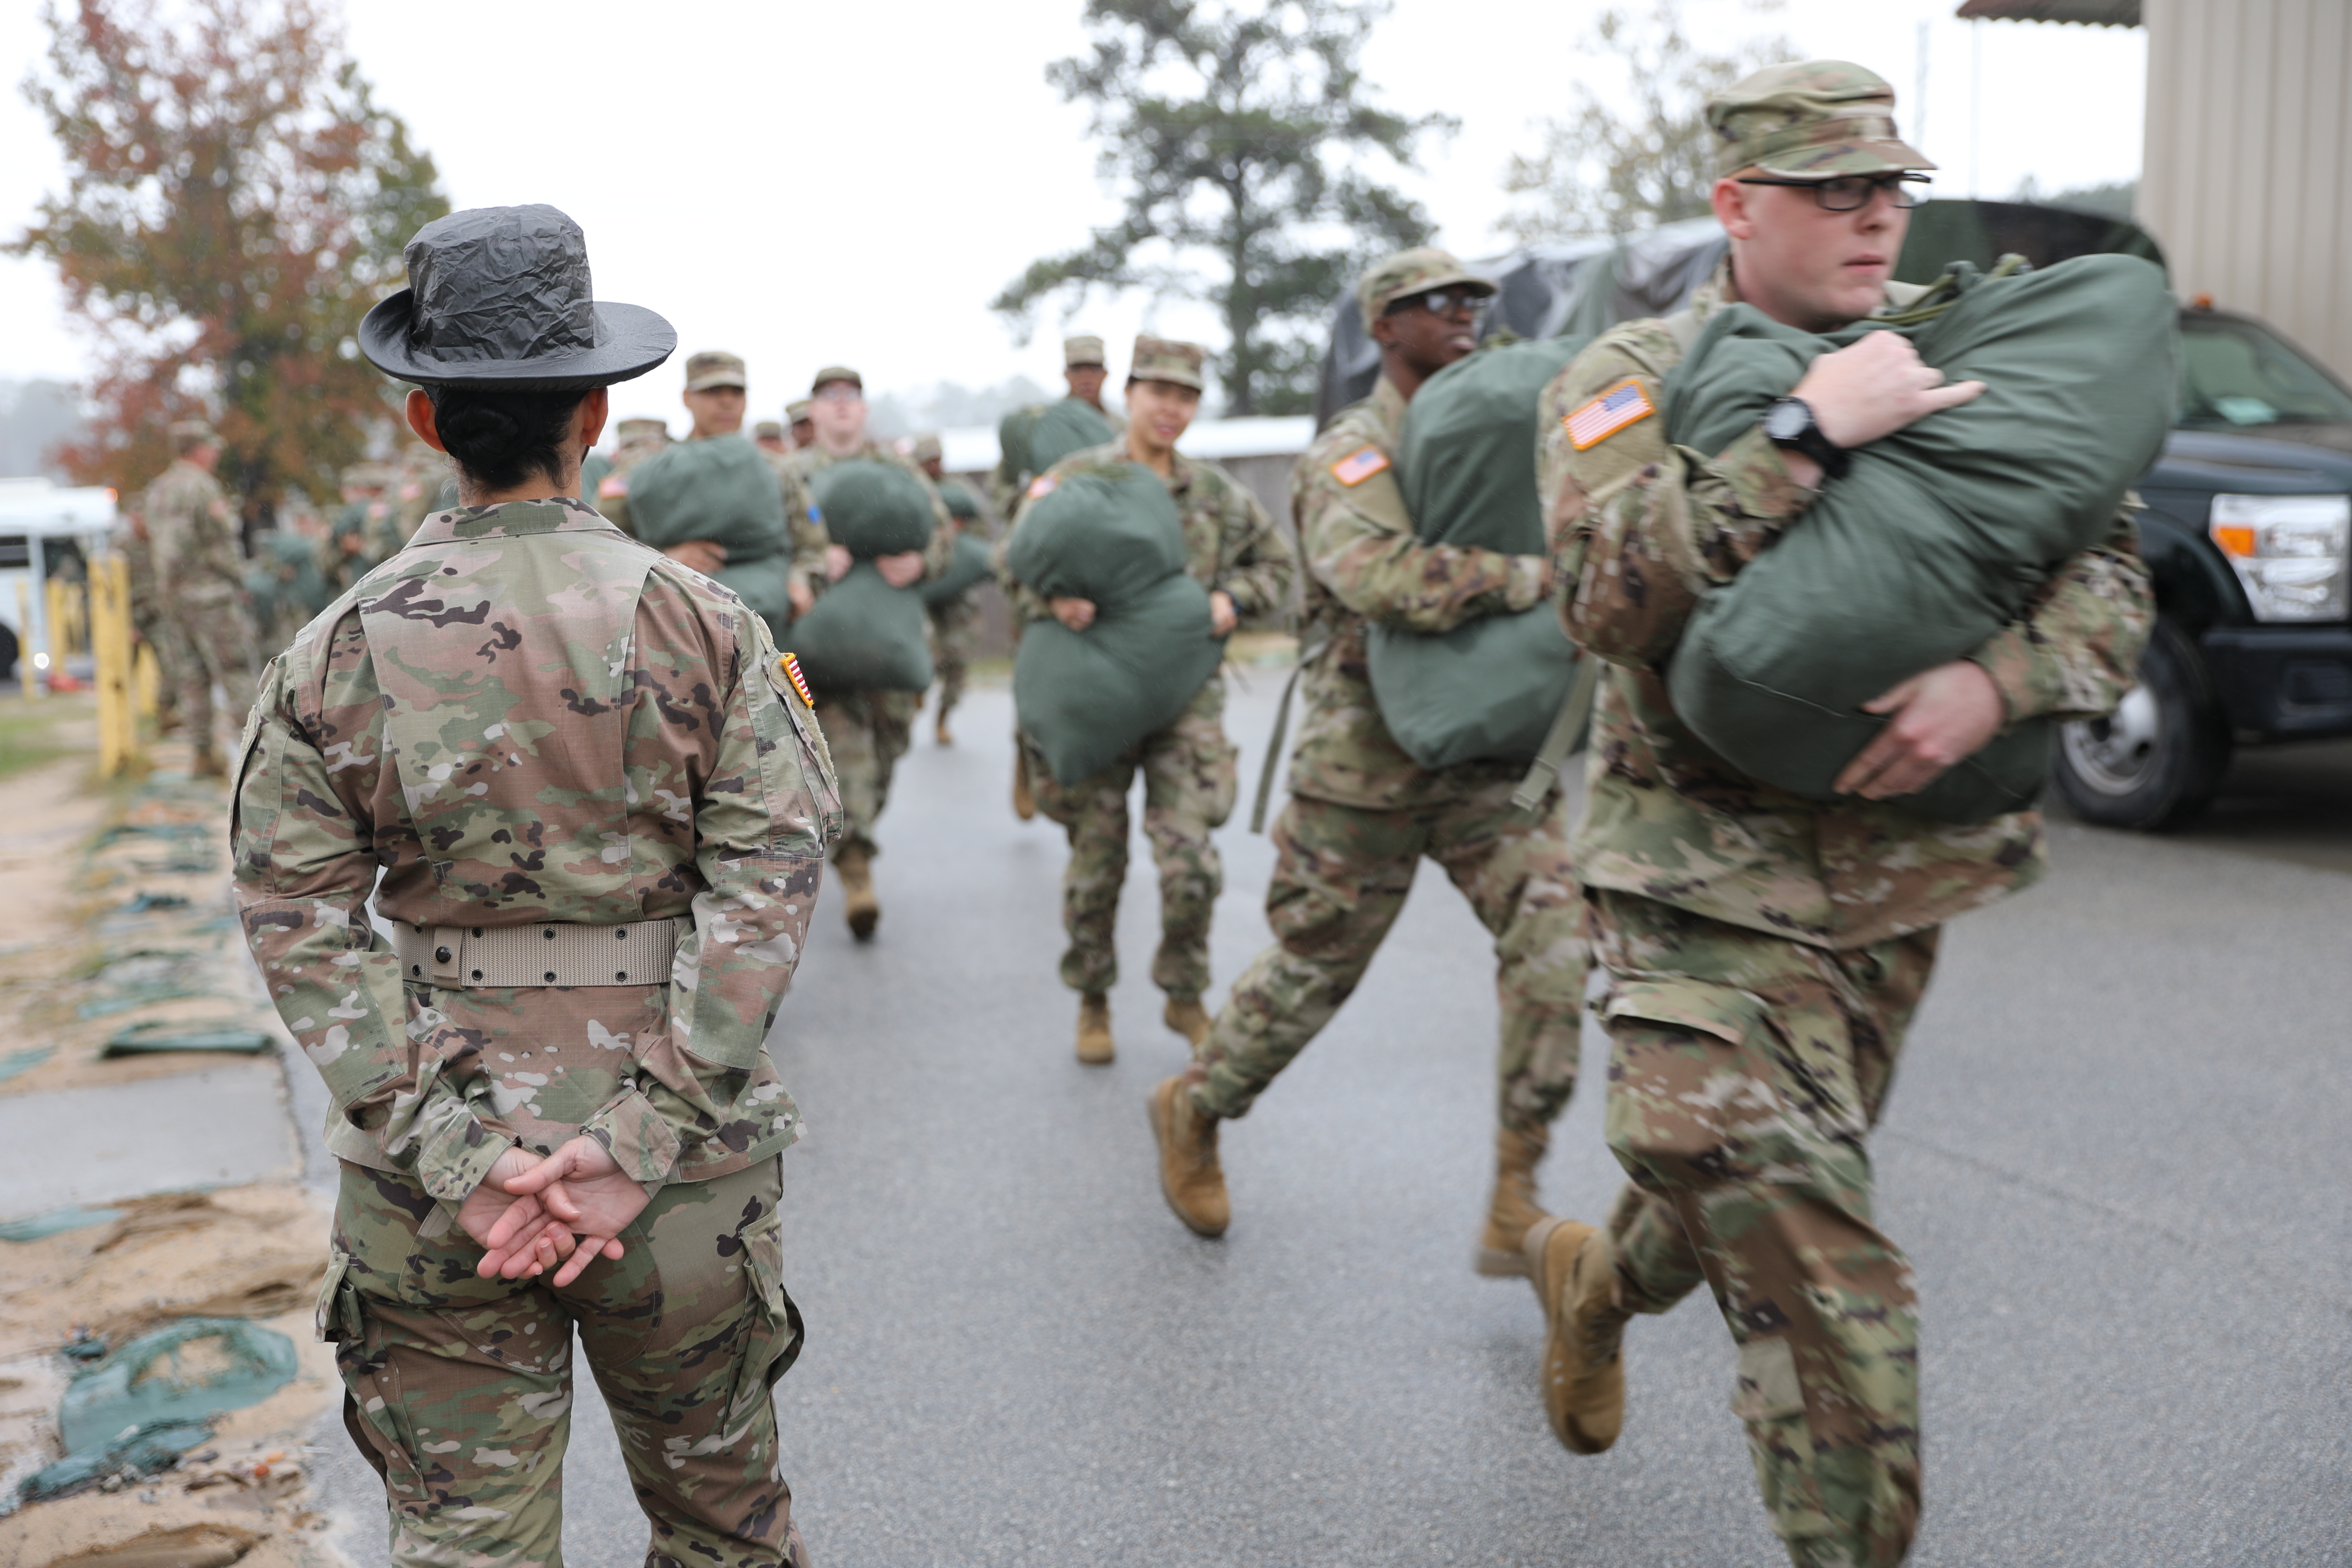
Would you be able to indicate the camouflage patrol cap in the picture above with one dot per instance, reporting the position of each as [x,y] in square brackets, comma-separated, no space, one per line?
[366,477]
[1165,359]
[187,435]
[1408,272]
[639,429]
[714,367]
[927,448]
[767,430]
[797,409]
[1814,120]
[1079,352]
[838,372]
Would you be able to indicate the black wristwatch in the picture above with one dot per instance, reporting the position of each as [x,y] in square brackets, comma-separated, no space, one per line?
[1790,423]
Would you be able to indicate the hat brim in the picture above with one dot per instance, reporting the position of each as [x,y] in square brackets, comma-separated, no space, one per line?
[1835,159]
[630,340]
[1424,286]
[709,383]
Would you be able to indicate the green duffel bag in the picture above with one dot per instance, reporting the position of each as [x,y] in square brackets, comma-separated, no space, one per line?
[872,507]
[721,490]
[1084,698]
[863,635]
[1940,534]
[968,567]
[1491,688]
[1062,428]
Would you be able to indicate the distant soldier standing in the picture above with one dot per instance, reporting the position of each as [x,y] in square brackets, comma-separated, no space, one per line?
[348,551]
[552,1107]
[193,536]
[635,441]
[1766,952]
[1083,372]
[955,622]
[1362,814]
[715,397]
[1232,549]
[868,731]
[803,426]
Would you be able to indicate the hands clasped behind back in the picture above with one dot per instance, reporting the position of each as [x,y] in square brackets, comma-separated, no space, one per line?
[530,1214]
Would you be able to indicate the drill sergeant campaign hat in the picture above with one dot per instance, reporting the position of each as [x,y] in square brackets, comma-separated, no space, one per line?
[1815,119]
[187,435]
[1082,353]
[500,297]
[837,373]
[1164,359]
[713,367]
[1410,272]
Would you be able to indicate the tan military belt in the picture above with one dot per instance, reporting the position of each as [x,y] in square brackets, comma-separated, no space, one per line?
[554,954]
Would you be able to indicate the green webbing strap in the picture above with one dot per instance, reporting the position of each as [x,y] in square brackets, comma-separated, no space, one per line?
[1281,732]
[1541,772]
[1943,294]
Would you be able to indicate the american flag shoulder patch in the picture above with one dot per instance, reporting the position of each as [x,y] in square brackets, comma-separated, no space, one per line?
[1623,405]
[611,487]
[1358,466]
[791,667]
[1043,485]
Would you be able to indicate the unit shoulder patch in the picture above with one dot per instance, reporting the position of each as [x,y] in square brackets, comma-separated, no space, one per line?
[611,487]
[1623,405]
[1358,466]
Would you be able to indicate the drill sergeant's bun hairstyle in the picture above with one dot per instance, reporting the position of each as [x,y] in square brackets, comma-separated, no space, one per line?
[501,439]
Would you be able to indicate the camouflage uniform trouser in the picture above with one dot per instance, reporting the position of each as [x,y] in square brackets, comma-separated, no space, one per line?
[1339,885]
[211,638]
[955,632]
[1189,776]
[147,620]
[1745,1072]
[867,733]
[459,1389]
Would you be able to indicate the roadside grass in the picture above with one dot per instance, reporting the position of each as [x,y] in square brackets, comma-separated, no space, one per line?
[30,731]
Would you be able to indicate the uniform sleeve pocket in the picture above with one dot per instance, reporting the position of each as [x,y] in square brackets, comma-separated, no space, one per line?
[337,1312]
[254,799]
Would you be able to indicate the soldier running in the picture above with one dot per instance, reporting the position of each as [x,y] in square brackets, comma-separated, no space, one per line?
[1362,814]
[1766,953]
[600,812]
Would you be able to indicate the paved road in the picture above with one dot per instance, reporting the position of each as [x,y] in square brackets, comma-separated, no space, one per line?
[2114,1151]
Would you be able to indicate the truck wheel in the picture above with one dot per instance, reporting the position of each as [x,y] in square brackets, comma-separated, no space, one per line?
[2159,759]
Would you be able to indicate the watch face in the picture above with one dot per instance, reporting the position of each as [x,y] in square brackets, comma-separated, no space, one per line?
[1787,420]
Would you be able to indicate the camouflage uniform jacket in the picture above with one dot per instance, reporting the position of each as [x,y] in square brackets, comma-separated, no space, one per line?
[805,521]
[192,535]
[808,462]
[1365,566]
[1641,531]
[1014,467]
[525,718]
[1231,546]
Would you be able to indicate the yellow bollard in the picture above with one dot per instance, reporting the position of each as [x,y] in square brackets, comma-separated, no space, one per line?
[146,681]
[31,675]
[110,615]
[68,633]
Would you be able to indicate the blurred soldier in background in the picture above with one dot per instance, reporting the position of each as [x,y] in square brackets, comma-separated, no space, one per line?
[715,398]
[955,621]
[867,730]
[635,441]
[768,435]
[284,583]
[1083,373]
[1232,549]
[803,426]
[1362,814]
[423,484]
[192,533]
[348,551]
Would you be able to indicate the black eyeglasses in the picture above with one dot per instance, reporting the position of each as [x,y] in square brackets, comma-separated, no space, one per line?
[1441,301]
[1851,193]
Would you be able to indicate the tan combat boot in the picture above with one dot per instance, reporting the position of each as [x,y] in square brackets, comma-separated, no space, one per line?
[1190,1176]
[940,732]
[1502,1253]
[1096,1048]
[1187,1017]
[1024,801]
[857,873]
[1575,1272]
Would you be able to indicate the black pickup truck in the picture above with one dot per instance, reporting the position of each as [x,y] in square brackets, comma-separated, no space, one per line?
[2248,530]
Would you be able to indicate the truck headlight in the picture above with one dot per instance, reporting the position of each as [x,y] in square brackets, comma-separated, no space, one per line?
[2290,553]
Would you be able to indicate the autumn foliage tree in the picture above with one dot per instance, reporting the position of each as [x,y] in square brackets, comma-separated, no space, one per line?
[1244,134]
[234,201]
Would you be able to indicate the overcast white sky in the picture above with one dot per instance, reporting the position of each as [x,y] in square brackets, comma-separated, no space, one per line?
[852,182]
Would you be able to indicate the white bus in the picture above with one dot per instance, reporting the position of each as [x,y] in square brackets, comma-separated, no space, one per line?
[43,528]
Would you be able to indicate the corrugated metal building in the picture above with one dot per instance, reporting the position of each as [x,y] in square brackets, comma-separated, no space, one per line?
[2246,179]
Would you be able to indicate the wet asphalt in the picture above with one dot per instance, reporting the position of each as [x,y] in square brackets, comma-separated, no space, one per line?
[2116,1152]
